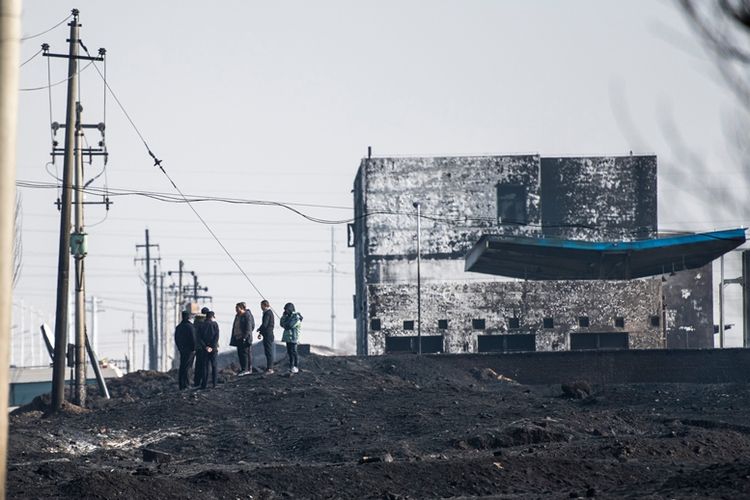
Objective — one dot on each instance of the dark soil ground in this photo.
(386, 427)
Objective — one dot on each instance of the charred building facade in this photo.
(464, 198)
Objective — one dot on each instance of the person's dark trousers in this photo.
(270, 350)
(291, 353)
(246, 357)
(186, 362)
(209, 367)
(199, 362)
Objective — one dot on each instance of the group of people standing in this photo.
(198, 341)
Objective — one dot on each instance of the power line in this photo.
(30, 89)
(30, 58)
(47, 30)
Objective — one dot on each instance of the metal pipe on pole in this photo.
(162, 321)
(418, 206)
(79, 252)
(155, 313)
(10, 33)
(63, 263)
(333, 288)
(721, 302)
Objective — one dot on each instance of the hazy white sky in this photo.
(279, 101)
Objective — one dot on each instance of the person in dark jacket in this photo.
(266, 333)
(242, 337)
(184, 337)
(207, 335)
(199, 353)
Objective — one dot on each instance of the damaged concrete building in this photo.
(464, 198)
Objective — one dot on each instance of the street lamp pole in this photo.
(418, 206)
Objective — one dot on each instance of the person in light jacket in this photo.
(291, 321)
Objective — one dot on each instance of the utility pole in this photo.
(10, 35)
(63, 262)
(76, 242)
(131, 333)
(180, 294)
(149, 307)
(333, 288)
(94, 337)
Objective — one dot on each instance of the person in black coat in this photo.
(242, 337)
(266, 333)
(207, 336)
(184, 337)
(199, 352)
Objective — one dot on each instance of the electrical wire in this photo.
(481, 222)
(31, 89)
(30, 58)
(47, 30)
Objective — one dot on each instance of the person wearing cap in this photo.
(291, 321)
(208, 342)
(242, 337)
(184, 336)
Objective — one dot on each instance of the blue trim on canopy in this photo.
(548, 258)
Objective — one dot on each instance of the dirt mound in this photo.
(40, 406)
(518, 434)
(578, 389)
(385, 427)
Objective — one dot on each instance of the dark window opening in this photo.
(430, 344)
(511, 204)
(583, 321)
(375, 324)
(514, 323)
(442, 324)
(549, 323)
(655, 321)
(620, 322)
(594, 341)
(506, 343)
(409, 325)
(477, 324)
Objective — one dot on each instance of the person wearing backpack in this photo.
(291, 322)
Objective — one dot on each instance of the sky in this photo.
(279, 101)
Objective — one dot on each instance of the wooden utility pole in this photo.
(63, 261)
(10, 33)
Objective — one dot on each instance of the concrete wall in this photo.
(636, 302)
(689, 309)
(599, 198)
(706, 366)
